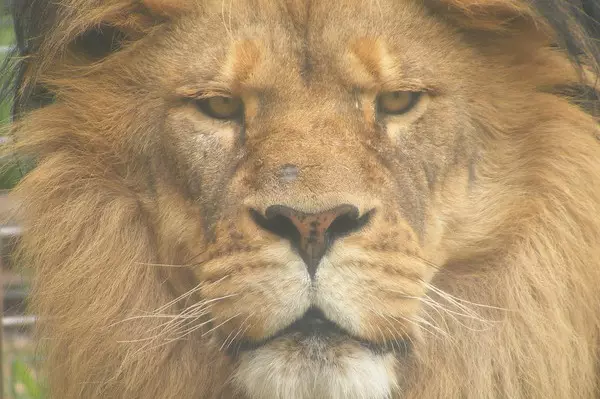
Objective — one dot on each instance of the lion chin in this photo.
(300, 366)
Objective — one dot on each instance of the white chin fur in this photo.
(285, 372)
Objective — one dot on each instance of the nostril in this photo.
(348, 223)
(276, 224)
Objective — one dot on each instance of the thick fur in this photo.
(482, 252)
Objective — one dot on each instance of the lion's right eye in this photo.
(397, 102)
(221, 107)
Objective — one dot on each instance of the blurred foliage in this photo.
(21, 367)
(11, 170)
(6, 31)
(25, 383)
(6, 39)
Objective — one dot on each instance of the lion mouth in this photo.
(315, 328)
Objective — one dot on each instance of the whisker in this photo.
(468, 313)
(175, 326)
(186, 294)
(186, 264)
(421, 321)
(227, 338)
(404, 335)
(180, 315)
(165, 265)
(239, 330)
(188, 329)
(154, 337)
(439, 313)
(193, 258)
(382, 335)
(194, 312)
(147, 347)
(215, 327)
(387, 320)
(450, 296)
(207, 301)
(463, 311)
(242, 333)
(447, 337)
(452, 315)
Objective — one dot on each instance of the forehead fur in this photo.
(45, 30)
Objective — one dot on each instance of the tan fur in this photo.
(169, 8)
(483, 249)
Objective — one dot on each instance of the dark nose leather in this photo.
(312, 233)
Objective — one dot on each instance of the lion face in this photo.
(295, 199)
(325, 160)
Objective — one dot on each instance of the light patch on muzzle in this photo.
(283, 370)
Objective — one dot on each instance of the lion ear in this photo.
(572, 25)
(54, 35)
(169, 8)
(488, 15)
(110, 28)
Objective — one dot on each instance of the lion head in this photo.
(288, 199)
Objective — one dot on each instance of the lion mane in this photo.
(149, 281)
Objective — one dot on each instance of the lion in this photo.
(295, 199)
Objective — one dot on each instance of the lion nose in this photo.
(312, 233)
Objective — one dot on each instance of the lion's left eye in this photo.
(397, 102)
(221, 107)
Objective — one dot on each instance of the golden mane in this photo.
(98, 225)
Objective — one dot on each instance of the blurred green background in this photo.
(9, 171)
(6, 40)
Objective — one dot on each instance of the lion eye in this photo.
(221, 107)
(397, 102)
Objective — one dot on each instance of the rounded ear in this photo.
(489, 15)
(572, 25)
(51, 34)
